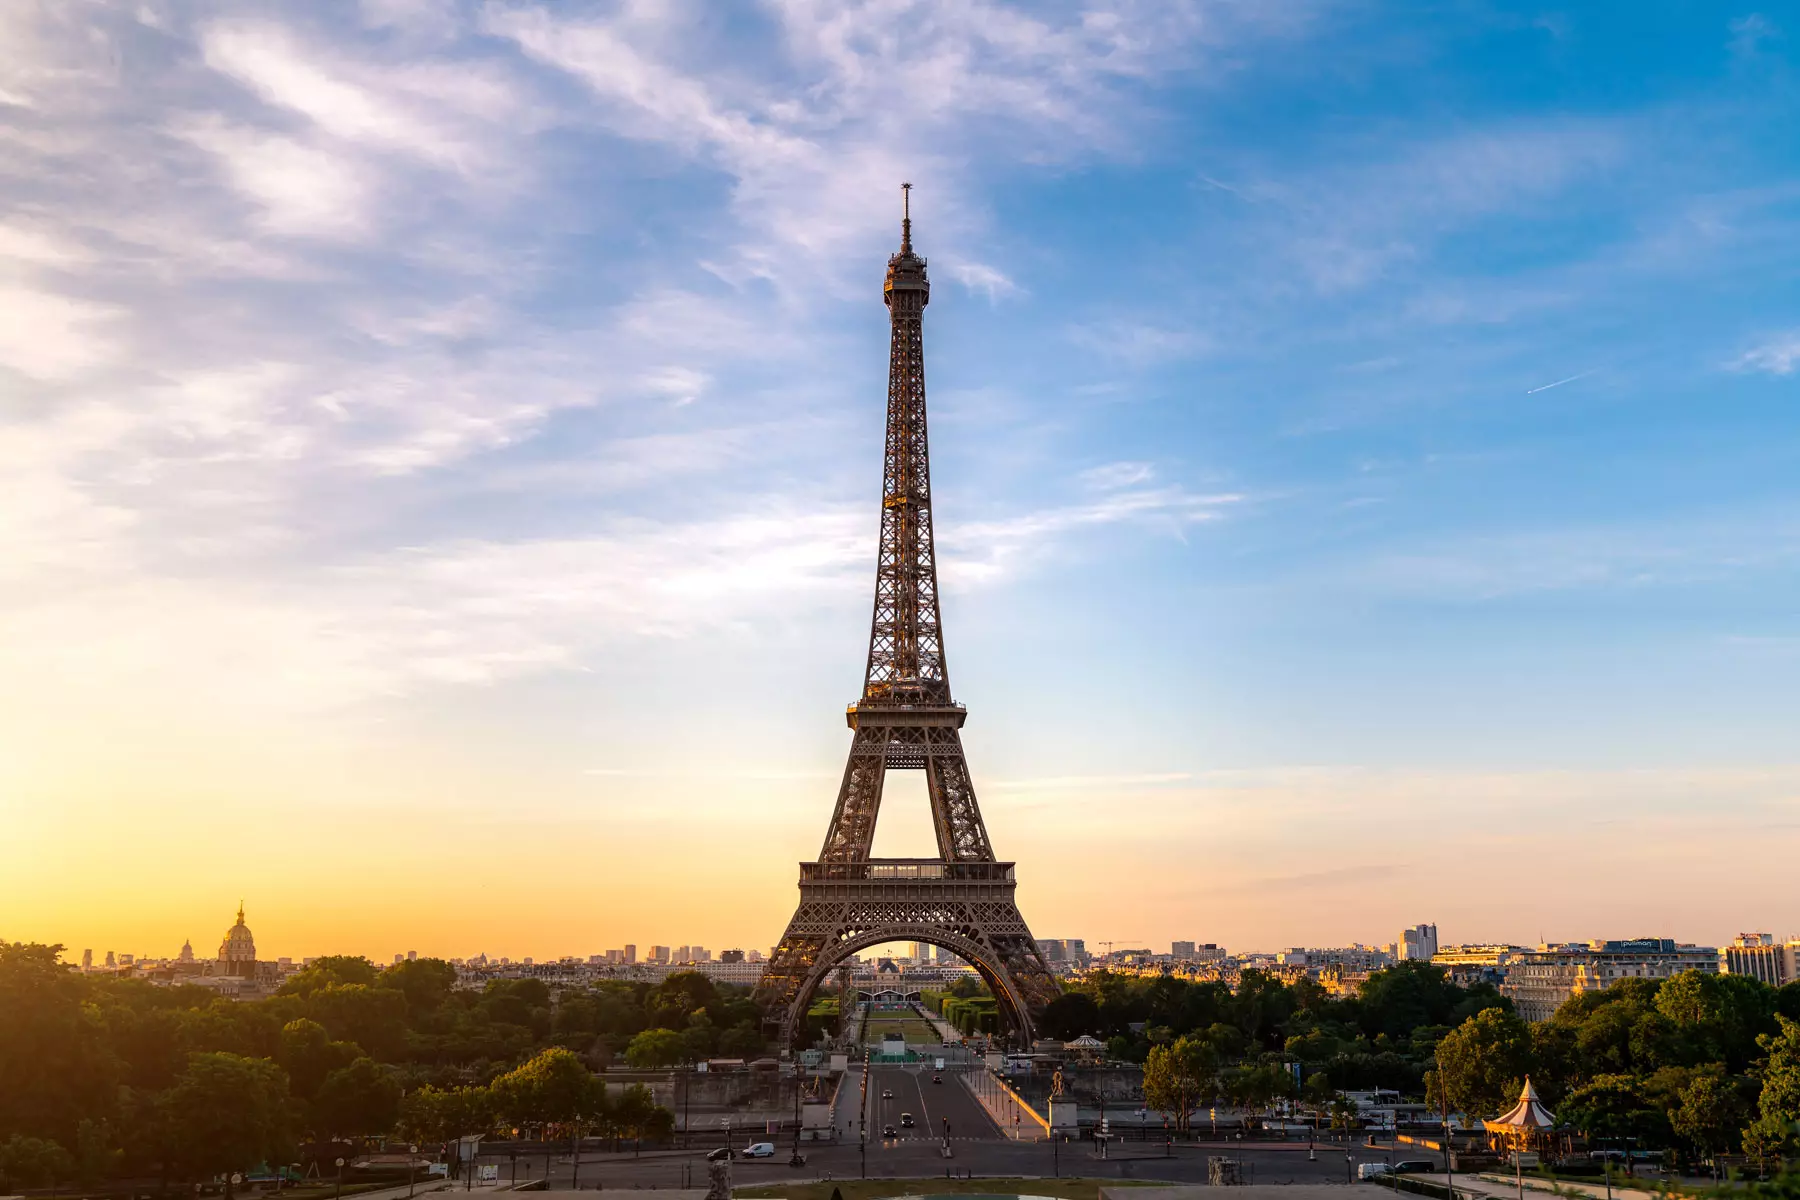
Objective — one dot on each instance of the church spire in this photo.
(240, 912)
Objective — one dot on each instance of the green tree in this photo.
(227, 1113)
(96, 1152)
(430, 1114)
(1766, 1141)
(425, 982)
(54, 1066)
(358, 1100)
(671, 1003)
(1710, 1113)
(308, 1055)
(28, 1162)
(700, 1038)
(634, 1112)
(330, 970)
(655, 1048)
(1483, 1062)
(1070, 1015)
(553, 1088)
(743, 1040)
(1615, 1107)
(1178, 1076)
(1780, 1100)
(372, 1017)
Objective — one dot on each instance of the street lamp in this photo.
(340, 1178)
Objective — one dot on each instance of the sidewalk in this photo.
(1496, 1186)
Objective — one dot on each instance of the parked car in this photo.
(760, 1150)
(1410, 1166)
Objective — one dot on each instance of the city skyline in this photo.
(442, 443)
(646, 951)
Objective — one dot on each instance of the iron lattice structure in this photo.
(906, 719)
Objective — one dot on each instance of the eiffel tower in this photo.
(962, 900)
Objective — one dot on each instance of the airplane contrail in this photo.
(1558, 383)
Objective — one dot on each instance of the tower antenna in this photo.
(906, 218)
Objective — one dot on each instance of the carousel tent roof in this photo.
(1527, 1116)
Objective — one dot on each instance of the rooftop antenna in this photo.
(906, 218)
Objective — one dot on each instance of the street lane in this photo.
(931, 1104)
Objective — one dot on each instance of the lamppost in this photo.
(340, 1179)
(1349, 1166)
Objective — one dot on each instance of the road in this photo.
(977, 1147)
(938, 1110)
(920, 1158)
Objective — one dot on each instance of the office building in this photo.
(630, 955)
(1761, 957)
(1181, 951)
(659, 955)
(1418, 944)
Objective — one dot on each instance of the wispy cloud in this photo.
(1778, 355)
(1544, 387)
(979, 277)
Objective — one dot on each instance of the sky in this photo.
(440, 446)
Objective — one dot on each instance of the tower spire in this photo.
(906, 218)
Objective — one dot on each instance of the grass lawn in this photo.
(911, 1028)
(875, 1189)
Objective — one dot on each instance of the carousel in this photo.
(1523, 1126)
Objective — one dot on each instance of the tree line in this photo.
(103, 1077)
(1699, 1064)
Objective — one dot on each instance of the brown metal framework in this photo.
(906, 719)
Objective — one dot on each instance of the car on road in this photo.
(906, 1121)
(760, 1150)
(889, 1131)
(722, 1154)
(1411, 1166)
(887, 1095)
(937, 1079)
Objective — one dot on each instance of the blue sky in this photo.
(1364, 436)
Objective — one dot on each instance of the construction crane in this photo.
(1110, 944)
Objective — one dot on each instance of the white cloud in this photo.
(1118, 475)
(979, 277)
(1777, 356)
(300, 189)
(49, 336)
